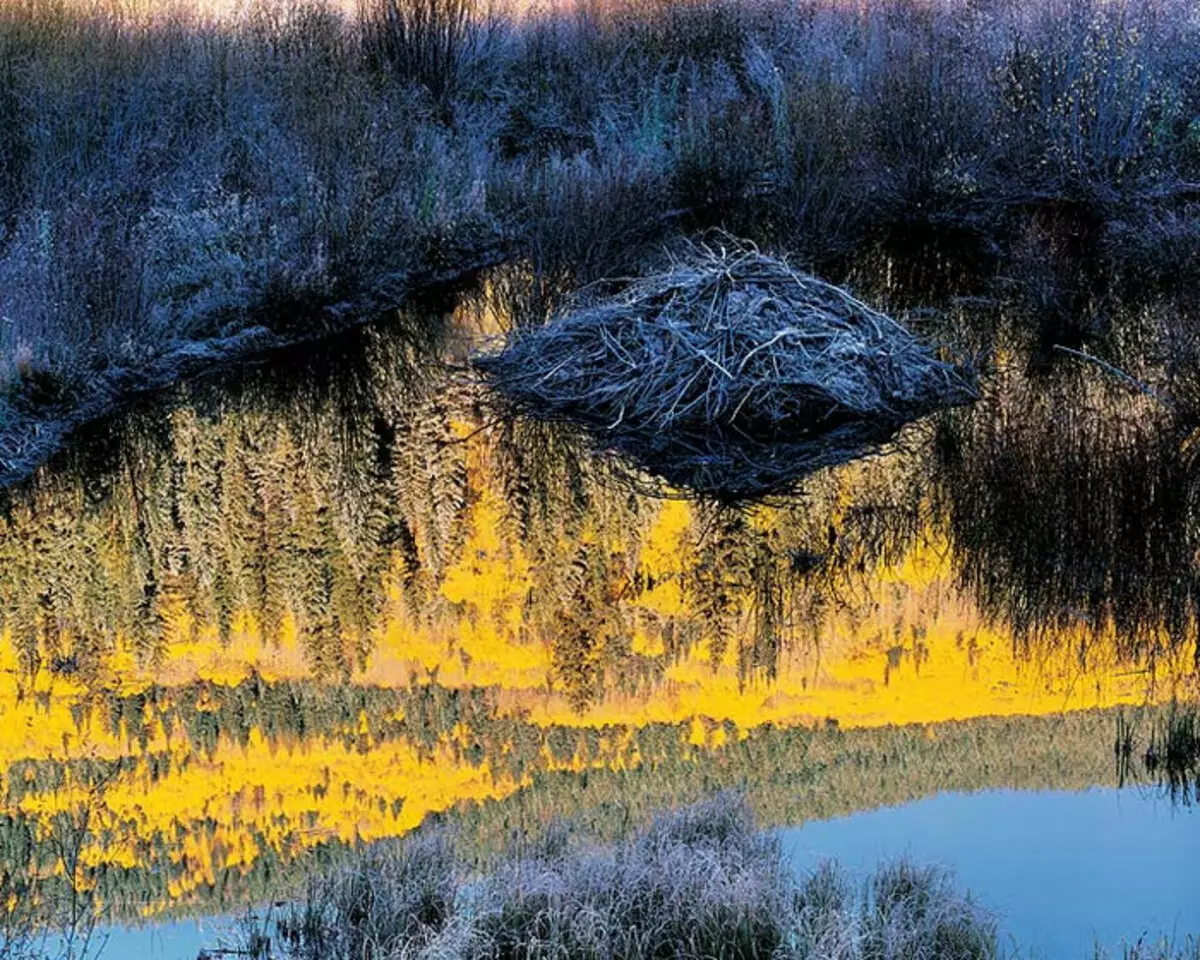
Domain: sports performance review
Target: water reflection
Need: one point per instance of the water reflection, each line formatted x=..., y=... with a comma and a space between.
x=326, y=600
x=1071, y=505
x=1168, y=756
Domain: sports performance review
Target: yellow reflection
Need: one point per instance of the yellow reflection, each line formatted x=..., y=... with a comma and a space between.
x=904, y=647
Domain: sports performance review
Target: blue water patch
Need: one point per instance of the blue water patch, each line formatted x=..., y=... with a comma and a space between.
x=166, y=940
x=1063, y=871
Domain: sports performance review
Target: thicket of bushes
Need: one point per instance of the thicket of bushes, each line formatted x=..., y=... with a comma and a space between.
x=166, y=177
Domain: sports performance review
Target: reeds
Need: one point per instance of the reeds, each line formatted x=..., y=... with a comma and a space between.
x=427, y=42
x=1173, y=754
x=173, y=177
x=1166, y=948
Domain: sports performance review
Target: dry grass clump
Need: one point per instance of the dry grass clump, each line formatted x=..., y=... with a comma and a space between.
x=700, y=883
x=726, y=371
x=1162, y=949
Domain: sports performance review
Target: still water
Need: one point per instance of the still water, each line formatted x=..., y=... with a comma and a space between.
x=254, y=625
x=1063, y=871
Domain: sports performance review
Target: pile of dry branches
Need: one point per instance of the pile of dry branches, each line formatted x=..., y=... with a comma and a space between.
x=728, y=372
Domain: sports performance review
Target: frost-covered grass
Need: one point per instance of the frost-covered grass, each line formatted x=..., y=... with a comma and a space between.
x=699, y=883
x=168, y=176
x=1166, y=948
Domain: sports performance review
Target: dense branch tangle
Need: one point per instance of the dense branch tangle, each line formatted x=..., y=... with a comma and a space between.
x=728, y=372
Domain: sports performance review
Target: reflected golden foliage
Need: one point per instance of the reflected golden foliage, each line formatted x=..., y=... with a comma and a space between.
x=307, y=620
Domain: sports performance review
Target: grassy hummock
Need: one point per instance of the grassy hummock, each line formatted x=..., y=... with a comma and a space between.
x=699, y=883
x=728, y=372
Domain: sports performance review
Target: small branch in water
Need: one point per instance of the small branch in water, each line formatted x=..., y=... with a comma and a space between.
x=1120, y=374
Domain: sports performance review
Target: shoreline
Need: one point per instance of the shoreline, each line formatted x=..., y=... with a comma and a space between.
x=42, y=437
x=223, y=168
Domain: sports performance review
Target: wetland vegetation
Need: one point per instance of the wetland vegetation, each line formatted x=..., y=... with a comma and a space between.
x=294, y=610
x=276, y=606
x=701, y=882
x=181, y=187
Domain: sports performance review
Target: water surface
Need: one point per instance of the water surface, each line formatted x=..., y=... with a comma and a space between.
x=249, y=627
x=1064, y=871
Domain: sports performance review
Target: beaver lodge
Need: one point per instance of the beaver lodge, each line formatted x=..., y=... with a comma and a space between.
x=729, y=373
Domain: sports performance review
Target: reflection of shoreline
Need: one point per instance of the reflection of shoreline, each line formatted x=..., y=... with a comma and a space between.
x=357, y=523
x=195, y=833
x=500, y=635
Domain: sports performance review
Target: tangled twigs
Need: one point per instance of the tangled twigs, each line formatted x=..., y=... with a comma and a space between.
x=729, y=372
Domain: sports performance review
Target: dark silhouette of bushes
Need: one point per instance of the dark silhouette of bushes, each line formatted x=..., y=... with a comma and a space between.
x=426, y=42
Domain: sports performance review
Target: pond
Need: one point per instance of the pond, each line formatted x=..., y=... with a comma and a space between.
x=1064, y=871
x=317, y=602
